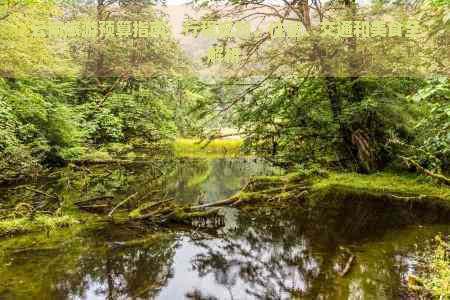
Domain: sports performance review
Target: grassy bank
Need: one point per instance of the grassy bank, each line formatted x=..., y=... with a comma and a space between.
x=317, y=185
x=401, y=187
x=197, y=147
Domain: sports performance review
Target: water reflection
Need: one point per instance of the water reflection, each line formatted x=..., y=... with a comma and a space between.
x=267, y=254
x=264, y=255
x=184, y=179
x=89, y=268
x=209, y=180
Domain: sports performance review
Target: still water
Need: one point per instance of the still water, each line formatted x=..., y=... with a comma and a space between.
x=297, y=253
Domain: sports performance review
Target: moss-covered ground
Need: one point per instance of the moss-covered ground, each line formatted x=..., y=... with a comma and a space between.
x=403, y=187
x=385, y=183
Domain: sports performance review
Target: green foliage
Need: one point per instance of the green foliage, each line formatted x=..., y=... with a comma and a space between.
x=293, y=117
x=432, y=131
x=439, y=281
x=22, y=54
x=47, y=118
x=436, y=278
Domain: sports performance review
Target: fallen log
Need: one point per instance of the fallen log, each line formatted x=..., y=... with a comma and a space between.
x=267, y=195
x=225, y=202
x=121, y=203
x=439, y=177
x=84, y=162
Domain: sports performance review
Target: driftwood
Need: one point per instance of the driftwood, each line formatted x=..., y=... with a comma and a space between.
x=94, y=206
x=169, y=211
x=160, y=213
x=159, y=203
x=267, y=194
x=409, y=198
x=35, y=249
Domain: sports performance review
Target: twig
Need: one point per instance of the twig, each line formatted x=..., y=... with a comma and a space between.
x=420, y=197
x=347, y=266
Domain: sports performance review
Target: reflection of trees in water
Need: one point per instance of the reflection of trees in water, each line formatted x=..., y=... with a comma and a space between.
x=112, y=271
x=115, y=181
x=270, y=255
x=218, y=179
x=270, y=260
x=136, y=273
x=277, y=256
x=183, y=179
x=183, y=183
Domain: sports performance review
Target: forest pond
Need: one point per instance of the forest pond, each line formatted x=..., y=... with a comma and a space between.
x=295, y=253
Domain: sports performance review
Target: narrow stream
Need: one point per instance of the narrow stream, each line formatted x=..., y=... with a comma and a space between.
x=297, y=253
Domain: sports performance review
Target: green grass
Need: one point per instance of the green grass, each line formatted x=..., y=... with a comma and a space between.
x=395, y=187
x=197, y=147
x=385, y=183
x=16, y=226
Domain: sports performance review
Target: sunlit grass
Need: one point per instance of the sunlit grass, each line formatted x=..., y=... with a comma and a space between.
x=197, y=147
